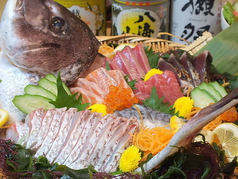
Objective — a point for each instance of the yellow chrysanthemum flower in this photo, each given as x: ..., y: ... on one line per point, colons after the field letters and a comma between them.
x: 100, y: 108
x: 183, y: 106
x: 151, y: 73
x: 130, y: 159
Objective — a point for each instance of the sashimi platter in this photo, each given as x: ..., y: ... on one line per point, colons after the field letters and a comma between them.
x: 71, y: 107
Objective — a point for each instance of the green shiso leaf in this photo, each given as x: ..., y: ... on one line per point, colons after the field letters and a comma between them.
x: 223, y: 48
x: 157, y: 103
x: 65, y: 100
x: 152, y: 57
x: 130, y: 83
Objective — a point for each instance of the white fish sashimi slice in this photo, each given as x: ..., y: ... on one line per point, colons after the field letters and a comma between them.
x: 34, y: 121
x: 68, y: 122
x: 18, y: 132
x: 45, y: 125
x: 82, y: 138
x: 52, y: 133
x: 111, y: 148
x: 103, y: 139
x: 124, y: 142
x: 91, y: 142
x: 72, y: 140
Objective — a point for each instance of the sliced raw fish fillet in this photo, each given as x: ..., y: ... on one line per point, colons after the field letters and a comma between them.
x: 34, y: 121
x: 131, y: 61
x: 72, y: 138
x: 91, y: 92
x: 166, y: 86
x: 52, y: 132
x: 142, y: 57
x: 97, y: 84
x: 18, y: 132
x: 68, y: 122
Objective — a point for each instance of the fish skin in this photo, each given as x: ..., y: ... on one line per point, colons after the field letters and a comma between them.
x: 32, y: 48
x: 148, y: 117
x: 54, y: 40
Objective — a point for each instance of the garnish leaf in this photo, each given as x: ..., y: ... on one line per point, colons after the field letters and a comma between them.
x: 108, y: 66
x: 157, y: 103
x: 65, y: 100
x: 152, y: 57
x: 130, y: 83
x: 223, y: 48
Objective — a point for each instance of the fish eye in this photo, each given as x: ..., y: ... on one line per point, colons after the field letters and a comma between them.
x: 57, y: 24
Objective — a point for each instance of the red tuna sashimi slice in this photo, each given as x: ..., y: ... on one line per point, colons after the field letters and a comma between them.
x: 172, y: 80
x: 120, y: 60
x: 131, y: 56
x: 131, y: 61
x: 166, y: 85
x: 142, y: 58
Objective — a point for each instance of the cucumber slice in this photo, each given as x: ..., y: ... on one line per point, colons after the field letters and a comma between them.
x: 211, y: 90
x: 38, y: 90
x: 201, y: 97
x: 48, y: 85
x: 235, y: 6
x: 28, y: 103
x: 52, y: 78
x: 219, y: 88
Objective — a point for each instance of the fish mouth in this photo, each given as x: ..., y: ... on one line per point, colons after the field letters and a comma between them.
x: 41, y: 47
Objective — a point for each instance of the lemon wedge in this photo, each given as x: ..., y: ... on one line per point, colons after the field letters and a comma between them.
x: 176, y: 123
x: 122, y: 46
x: 226, y: 136
x: 3, y: 117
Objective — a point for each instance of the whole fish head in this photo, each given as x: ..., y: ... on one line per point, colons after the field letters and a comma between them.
x: 44, y: 37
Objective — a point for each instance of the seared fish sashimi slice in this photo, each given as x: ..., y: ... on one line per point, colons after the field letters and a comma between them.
x: 76, y: 139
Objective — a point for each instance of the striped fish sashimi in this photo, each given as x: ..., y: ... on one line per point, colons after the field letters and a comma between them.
x: 166, y: 86
x: 78, y: 139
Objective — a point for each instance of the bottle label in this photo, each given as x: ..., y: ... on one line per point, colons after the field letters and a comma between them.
x: 190, y: 18
x: 92, y: 12
x: 144, y: 18
x: 138, y: 21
